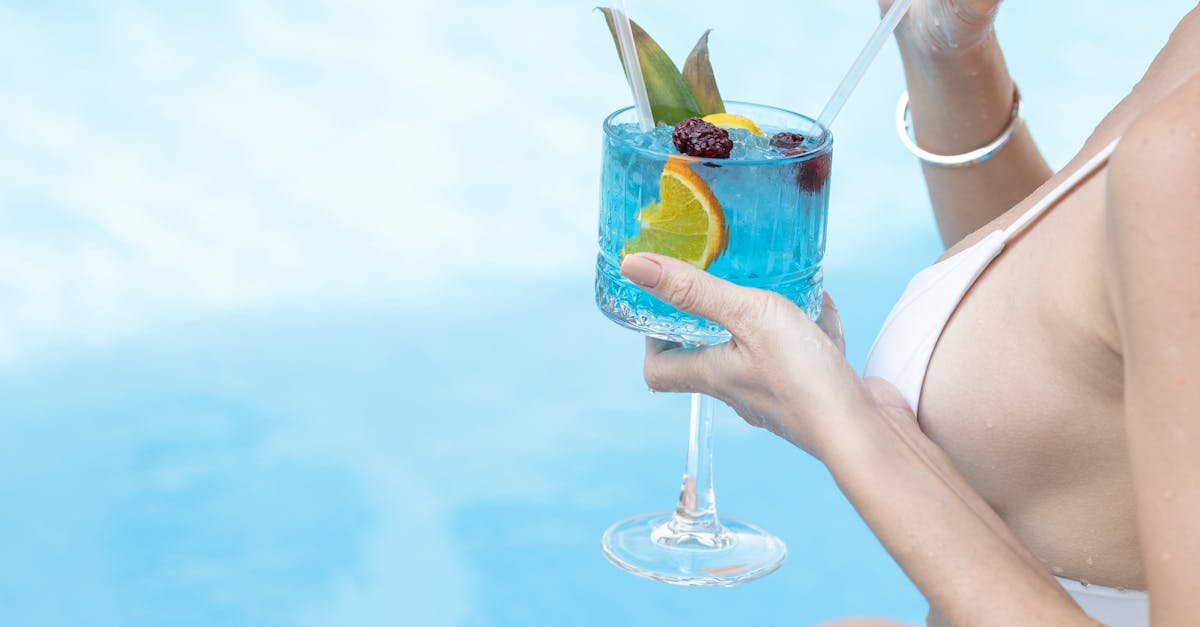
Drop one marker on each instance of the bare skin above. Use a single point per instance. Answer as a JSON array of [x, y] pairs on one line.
[[1059, 389], [1051, 459]]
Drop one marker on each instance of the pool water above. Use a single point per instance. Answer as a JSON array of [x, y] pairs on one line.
[[330, 470]]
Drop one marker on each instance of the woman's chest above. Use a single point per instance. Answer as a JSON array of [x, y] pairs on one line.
[[1025, 408], [1031, 414], [1021, 380], [1023, 392]]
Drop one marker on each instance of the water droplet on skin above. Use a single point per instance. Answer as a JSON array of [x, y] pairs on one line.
[[1166, 557], [1085, 583], [988, 424], [1090, 562], [1057, 570], [1168, 494], [652, 392]]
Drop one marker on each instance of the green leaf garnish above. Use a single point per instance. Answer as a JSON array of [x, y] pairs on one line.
[[671, 98], [698, 73]]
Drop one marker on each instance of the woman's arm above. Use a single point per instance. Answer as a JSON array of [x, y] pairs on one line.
[[960, 95], [1154, 270], [781, 372], [969, 565]]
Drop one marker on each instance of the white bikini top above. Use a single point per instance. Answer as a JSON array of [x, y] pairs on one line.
[[905, 344]]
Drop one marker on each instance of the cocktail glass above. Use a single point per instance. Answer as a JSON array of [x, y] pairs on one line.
[[775, 211]]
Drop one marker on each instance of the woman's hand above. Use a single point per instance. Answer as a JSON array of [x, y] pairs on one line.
[[944, 25], [780, 371]]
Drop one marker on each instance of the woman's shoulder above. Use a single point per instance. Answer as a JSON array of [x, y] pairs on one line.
[[1156, 167], [1153, 208]]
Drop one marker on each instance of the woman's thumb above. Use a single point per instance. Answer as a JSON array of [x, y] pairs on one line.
[[693, 290]]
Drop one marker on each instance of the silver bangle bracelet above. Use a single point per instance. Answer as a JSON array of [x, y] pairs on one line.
[[979, 155]]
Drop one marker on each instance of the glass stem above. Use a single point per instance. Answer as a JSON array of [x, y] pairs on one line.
[[697, 509], [695, 520]]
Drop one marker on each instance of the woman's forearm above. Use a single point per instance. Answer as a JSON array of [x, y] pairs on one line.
[[962, 556], [959, 553], [961, 100]]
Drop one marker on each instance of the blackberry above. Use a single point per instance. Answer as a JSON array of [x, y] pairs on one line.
[[695, 137], [787, 140], [811, 174]]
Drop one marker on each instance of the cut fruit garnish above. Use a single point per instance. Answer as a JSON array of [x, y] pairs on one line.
[[686, 223], [733, 120]]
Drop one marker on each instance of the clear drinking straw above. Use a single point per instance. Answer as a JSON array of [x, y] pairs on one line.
[[633, 68], [888, 24]]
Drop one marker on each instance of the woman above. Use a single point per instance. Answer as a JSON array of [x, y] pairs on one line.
[[1032, 453]]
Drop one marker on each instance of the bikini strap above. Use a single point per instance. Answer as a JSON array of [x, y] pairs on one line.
[[1056, 194]]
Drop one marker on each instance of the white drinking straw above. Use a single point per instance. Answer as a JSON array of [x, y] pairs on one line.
[[888, 24], [633, 69]]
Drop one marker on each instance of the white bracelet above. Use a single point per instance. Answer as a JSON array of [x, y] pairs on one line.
[[979, 155]]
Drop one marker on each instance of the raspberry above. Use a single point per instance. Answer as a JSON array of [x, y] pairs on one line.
[[698, 138], [787, 140], [811, 174]]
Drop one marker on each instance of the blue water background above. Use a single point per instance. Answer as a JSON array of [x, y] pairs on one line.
[[296, 321]]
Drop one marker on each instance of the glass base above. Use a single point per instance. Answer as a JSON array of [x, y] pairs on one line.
[[737, 552]]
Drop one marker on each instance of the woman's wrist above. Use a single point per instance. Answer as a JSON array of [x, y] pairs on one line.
[[960, 98], [845, 429]]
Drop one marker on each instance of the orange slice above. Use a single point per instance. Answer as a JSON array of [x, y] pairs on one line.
[[686, 223], [733, 120]]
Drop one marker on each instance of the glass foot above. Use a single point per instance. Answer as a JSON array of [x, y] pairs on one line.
[[737, 552]]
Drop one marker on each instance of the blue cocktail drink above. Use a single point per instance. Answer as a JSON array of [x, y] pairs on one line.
[[773, 200], [755, 217]]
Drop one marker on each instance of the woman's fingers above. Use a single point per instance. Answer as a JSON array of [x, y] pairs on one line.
[[944, 24], [695, 291], [974, 10], [971, 9], [831, 323], [671, 368]]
